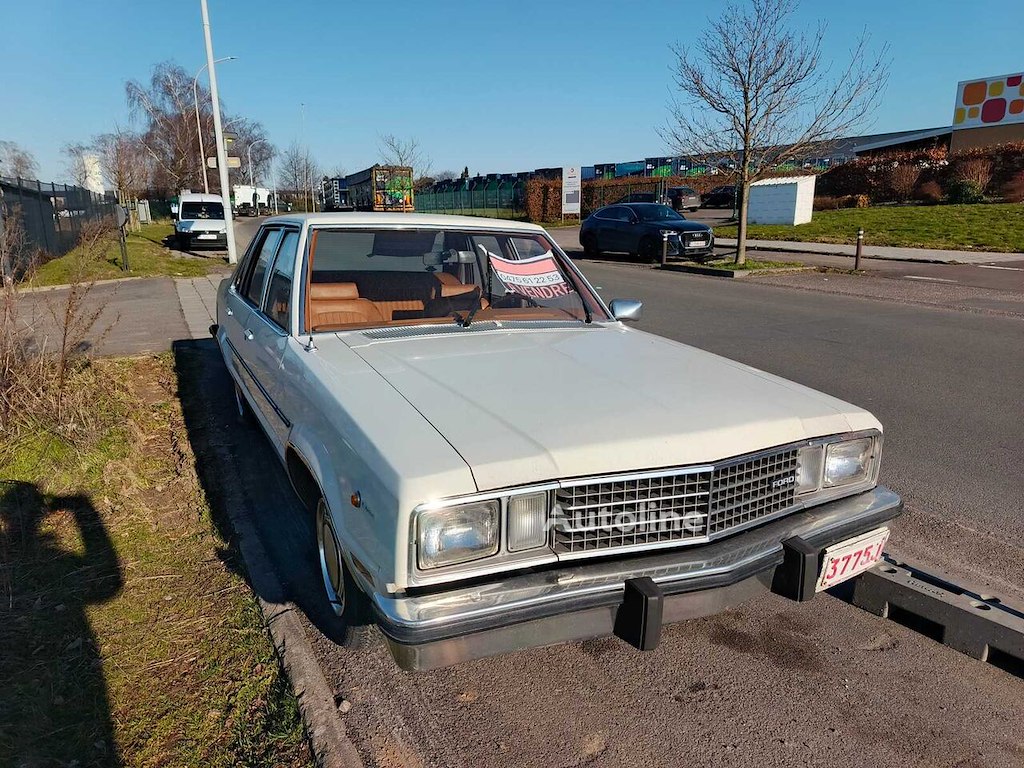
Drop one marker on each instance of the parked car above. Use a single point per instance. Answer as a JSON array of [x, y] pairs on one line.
[[199, 222], [638, 228], [246, 209], [678, 197], [493, 460], [683, 197], [720, 197]]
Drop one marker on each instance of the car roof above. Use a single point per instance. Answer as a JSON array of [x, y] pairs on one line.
[[199, 197], [377, 219], [645, 205]]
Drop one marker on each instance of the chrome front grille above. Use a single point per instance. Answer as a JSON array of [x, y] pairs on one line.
[[664, 508]]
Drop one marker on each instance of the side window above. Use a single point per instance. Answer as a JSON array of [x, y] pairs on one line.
[[252, 285], [279, 294]]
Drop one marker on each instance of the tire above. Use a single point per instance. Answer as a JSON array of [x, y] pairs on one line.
[[346, 601], [590, 249], [184, 243], [243, 411], [694, 210], [650, 250]]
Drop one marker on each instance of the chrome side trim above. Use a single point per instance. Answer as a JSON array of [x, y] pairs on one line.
[[256, 381]]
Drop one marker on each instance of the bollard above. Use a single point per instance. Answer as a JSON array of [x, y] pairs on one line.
[[664, 248], [860, 247]]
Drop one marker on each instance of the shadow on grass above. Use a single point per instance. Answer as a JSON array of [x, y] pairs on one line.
[[243, 478], [54, 708]]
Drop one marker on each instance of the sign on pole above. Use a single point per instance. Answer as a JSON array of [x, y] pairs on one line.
[[572, 187], [233, 162]]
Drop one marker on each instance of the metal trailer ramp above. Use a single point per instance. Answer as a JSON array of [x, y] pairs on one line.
[[973, 622]]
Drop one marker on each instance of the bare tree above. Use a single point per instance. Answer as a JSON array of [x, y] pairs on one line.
[[75, 164], [125, 162], [338, 172], [754, 93], [903, 178], [298, 171], [167, 109], [398, 151], [16, 161], [446, 176]]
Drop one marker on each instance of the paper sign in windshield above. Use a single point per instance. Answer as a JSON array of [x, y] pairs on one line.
[[538, 277]]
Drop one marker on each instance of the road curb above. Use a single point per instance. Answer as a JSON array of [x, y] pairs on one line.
[[731, 273], [832, 249], [967, 619], [325, 729]]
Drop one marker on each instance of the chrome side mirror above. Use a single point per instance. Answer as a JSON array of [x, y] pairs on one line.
[[626, 309]]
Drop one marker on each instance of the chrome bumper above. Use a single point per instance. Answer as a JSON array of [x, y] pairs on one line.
[[575, 601]]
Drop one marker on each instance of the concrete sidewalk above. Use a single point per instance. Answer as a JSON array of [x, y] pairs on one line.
[[891, 253], [198, 299]]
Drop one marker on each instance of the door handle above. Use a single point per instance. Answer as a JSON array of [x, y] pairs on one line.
[[248, 335], [228, 312]]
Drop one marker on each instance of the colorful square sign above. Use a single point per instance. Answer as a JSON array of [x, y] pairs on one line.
[[989, 101]]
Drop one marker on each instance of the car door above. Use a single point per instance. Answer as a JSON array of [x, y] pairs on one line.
[[610, 222], [623, 232], [269, 333], [241, 300]]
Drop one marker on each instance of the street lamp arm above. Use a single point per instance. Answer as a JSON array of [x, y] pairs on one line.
[[199, 124]]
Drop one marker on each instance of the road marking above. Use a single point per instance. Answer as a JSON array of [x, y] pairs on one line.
[[993, 266], [931, 279]]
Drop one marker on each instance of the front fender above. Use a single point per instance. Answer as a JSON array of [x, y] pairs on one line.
[[341, 474]]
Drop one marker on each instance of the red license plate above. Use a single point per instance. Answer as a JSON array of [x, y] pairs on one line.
[[852, 557]]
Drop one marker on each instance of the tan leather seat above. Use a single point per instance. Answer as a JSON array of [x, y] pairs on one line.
[[339, 304], [451, 286]]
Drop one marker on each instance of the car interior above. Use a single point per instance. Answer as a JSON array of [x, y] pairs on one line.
[[404, 277]]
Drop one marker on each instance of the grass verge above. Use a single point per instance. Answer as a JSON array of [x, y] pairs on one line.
[[129, 634], [987, 227], [147, 257], [750, 264]]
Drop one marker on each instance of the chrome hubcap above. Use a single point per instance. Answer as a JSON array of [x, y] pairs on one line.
[[331, 566]]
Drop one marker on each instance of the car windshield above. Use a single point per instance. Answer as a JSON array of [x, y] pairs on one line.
[[656, 213], [388, 277], [202, 211]]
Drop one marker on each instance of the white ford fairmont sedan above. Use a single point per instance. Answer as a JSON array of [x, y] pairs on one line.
[[495, 461]]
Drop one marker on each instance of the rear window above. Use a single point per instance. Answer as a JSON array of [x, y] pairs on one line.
[[202, 211]]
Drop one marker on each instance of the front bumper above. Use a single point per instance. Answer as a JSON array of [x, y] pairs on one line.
[[569, 602], [219, 241], [678, 248]]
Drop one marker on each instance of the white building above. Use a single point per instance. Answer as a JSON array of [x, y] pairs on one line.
[[785, 200]]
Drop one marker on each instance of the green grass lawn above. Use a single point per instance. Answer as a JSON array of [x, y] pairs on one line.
[[147, 257], [986, 227], [129, 634]]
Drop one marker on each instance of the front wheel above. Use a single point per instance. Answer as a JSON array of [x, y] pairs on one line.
[[590, 249], [346, 600], [650, 249]]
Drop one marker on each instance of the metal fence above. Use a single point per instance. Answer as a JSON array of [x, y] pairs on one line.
[[502, 199], [50, 215]]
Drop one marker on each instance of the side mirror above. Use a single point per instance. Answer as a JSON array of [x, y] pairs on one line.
[[626, 309]]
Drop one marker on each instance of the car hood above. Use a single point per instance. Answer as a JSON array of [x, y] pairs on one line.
[[679, 226], [524, 406], [202, 225]]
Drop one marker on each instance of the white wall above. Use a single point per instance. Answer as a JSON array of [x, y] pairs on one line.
[[782, 201]]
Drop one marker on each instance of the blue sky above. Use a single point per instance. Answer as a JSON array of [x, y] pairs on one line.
[[497, 86]]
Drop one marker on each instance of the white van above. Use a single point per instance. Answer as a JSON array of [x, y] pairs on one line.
[[200, 222]]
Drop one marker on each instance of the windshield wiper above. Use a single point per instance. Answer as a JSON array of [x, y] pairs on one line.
[[464, 322]]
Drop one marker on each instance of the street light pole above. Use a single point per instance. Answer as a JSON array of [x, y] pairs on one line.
[[199, 125], [218, 131], [248, 152]]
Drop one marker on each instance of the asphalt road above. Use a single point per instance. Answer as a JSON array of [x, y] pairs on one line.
[[771, 682]]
